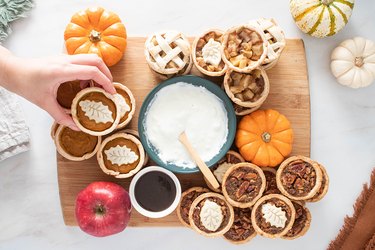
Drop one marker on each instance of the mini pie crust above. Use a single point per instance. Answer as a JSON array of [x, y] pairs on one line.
[[287, 227], [318, 178], [61, 148], [236, 37], [54, 128], [195, 192], [241, 111], [136, 134], [241, 224], [324, 187], [75, 107], [101, 155], [217, 37], [242, 88], [302, 213], [244, 183], [168, 53], [271, 184], [130, 100], [223, 229]]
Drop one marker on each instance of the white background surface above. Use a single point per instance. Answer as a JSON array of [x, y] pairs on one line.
[[343, 127]]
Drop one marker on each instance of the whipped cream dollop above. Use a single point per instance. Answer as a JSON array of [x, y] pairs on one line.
[[211, 52]]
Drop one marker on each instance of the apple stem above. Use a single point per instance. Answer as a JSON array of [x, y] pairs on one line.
[[99, 210]]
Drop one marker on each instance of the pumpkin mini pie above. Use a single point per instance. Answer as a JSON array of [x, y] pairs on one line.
[[66, 93], [271, 185], [211, 215], [219, 169], [206, 53], [96, 112], [75, 145], [168, 54], [273, 216], [127, 104], [323, 188], [121, 155], [243, 184], [187, 199], [244, 48], [242, 230], [275, 37], [299, 178], [247, 90], [301, 223]]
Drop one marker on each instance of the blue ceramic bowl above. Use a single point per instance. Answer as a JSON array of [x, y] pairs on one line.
[[197, 81]]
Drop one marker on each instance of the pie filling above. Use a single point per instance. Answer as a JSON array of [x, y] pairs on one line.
[[66, 93], [273, 215], [246, 87], [96, 112], [208, 53], [271, 184], [185, 204], [299, 222], [77, 143], [298, 178], [242, 227], [125, 95], [208, 216], [121, 155]]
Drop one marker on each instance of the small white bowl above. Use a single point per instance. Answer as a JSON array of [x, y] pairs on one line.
[[145, 212]]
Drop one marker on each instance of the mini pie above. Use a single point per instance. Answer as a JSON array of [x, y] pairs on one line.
[[244, 48], [75, 145], [66, 93], [271, 185], [211, 215], [299, 178], [206, 53], [121, 155], [242, 230], [168, 53], [219, 169], [128, 107], [136, 134], [243, 184], [248, 90], [275, 37], [301, 223], [95, 111], [324, 187], [273, 216], [187, 199]]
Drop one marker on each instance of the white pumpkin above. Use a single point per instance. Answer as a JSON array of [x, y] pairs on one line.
[[353, 62], [321, 18]]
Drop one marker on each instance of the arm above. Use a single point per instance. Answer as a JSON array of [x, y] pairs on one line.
[[37, 80]]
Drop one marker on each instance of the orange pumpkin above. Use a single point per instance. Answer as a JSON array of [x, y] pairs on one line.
[[96, 31], [264, 138]]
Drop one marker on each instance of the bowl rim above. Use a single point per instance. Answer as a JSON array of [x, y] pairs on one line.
[[196, 81]]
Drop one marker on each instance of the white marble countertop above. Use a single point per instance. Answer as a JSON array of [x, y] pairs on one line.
[[342, 122]]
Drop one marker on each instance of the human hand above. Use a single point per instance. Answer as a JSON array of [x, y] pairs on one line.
[[38, 80]]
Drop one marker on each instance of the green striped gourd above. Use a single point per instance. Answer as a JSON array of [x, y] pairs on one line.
[[321, 18]]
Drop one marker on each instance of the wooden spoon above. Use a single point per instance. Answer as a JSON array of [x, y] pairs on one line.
[[198, 160]]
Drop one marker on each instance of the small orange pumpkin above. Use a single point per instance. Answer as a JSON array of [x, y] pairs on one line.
[[96, 31], [264, 138]]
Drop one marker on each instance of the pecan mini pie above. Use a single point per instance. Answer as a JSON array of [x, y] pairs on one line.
[[121, 155], [273, 215], [244, 48], [95, 111], [168, 54], [219, 169], [242, 230], [187, 199], [271, 185], [323, 188], [206, 53], [301, 223], [128, 104], [243, 184], [75, 145], [211, 215], [275, 37], [299, 178], [248, 90]]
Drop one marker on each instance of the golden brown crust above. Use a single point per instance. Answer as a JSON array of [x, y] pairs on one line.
[[132, 105], [324, 188], [54, 128], [306, 225]]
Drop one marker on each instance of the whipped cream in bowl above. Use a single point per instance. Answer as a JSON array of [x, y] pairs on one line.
[[191, 104]]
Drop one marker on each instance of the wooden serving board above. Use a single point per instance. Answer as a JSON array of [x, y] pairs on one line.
[[289, 94]]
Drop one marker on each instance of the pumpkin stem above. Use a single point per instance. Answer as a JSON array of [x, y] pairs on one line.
[[359, 61], [95, 36], [266, 137], [327, 2]]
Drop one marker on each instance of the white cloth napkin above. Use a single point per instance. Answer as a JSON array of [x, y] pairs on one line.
[[14, 133]]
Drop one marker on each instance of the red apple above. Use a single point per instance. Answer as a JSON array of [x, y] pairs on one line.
[[102, 209]]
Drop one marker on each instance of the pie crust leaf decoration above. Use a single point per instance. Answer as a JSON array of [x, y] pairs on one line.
[[121, 155], [96, 111], [221, 170], [211, 52], [211, 215], [124, 107], [274, 215]]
